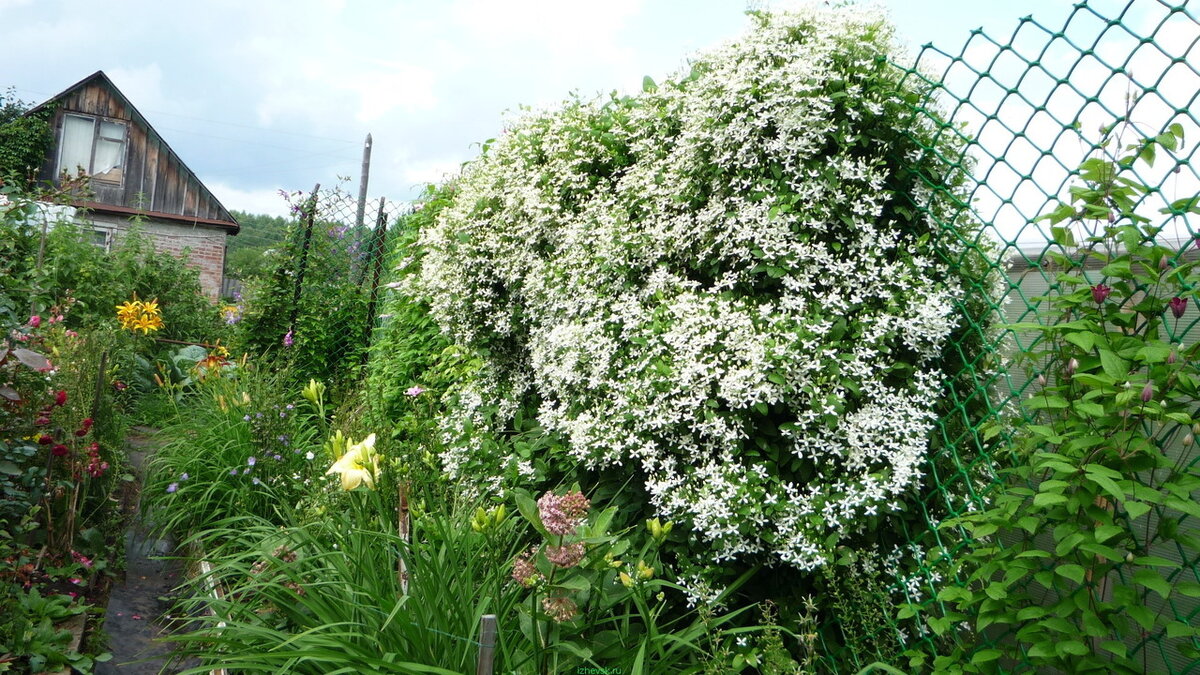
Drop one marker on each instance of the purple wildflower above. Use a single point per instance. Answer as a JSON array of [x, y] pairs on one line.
[[415, 390], [288, 339], [172, 488], [252, 461]]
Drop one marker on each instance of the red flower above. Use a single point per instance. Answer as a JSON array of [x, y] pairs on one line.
[[1100, 293], [60, 397], [60, 450], [42, 421], [35, 321], [45, 439], [80, 433], [87, 423], [119, 385], [1178, 306]]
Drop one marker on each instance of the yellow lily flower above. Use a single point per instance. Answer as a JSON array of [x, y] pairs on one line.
[[358, 466]]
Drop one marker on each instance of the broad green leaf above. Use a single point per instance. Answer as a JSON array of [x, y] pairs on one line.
[[1152, 580], [1084, 341], [1106, 532], [1136, 509], [1110, 486], [1048, 499], [1178, 629], [1073, 572], [1114, 366]]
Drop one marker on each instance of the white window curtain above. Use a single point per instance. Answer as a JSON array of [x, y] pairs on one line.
[[110, 151], [78, 133]]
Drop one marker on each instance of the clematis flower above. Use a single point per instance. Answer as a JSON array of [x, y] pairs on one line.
[[288, 340], [358, 466], [1100, 293], [1178, 306], [415, 390]]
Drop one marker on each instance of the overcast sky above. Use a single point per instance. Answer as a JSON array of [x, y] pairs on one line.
[[258, 96]]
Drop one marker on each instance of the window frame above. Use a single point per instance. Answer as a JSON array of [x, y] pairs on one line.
[[97, 122]]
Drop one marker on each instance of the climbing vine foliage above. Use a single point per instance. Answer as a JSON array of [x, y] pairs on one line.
[[729, 287]]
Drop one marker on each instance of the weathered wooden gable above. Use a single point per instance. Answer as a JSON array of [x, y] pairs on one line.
[[152, 178]]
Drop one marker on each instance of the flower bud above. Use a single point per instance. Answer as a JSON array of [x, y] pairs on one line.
[[1147, 392], [1188, 440], [644, 571], [626, 580], [1163, 263], [1171, 358], [1041, 380], [1100, 293], [1072, 366]]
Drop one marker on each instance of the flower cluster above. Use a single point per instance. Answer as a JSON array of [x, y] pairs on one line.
[[562, 514], [731, 287], [137, 315]]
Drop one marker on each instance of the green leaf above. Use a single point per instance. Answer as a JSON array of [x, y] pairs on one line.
[[985, 656], [1178, 629], [1044, 499], [648, 84], [1089, 409], [1084, 341], [529, 509], [1189, 589], [1114, 647], [8, 468], [1110, 486], [1073, 572], [1136, 509], [1114, 366], [996, 591], [1152, 580]]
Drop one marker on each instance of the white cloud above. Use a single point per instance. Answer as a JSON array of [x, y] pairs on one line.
[[252, 201]]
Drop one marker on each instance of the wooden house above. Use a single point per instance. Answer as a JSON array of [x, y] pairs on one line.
[[134, 173]]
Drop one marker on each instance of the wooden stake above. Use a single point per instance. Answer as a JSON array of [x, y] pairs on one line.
[[405, 530], [487, 644]]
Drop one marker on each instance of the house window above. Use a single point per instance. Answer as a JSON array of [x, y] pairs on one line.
[[101, 238], [96, 146]]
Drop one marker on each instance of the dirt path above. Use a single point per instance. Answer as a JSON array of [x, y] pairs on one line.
[[138, 605]]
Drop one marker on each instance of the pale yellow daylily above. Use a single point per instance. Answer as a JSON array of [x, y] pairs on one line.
[[358, 466]]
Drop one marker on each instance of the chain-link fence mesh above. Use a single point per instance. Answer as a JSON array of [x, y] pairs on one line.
[[317, 312], [1029, 107]]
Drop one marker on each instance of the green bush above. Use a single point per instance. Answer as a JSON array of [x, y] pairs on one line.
[[729, 299]]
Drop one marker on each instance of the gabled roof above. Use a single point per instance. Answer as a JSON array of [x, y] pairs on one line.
[[222, 216]]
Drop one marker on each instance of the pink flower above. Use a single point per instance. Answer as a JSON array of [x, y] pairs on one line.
[[1100, 293], [60, 450], [1178, 306], [561, 515], [288, 340], [35, 321], [1147, 392], [560, 609], [524, 571], [565, 556], [415, 390], [60, 398]]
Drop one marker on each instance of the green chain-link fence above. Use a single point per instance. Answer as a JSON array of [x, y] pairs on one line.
[[317, 312], [1030, 106]]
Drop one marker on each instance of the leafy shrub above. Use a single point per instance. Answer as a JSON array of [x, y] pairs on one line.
[[1086, 555], [730, 291], [322, 333], [91, 280]]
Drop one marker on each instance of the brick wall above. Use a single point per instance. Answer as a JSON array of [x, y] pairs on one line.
[[206, 245]]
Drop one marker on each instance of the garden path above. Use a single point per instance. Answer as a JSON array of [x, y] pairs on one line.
[[139, 606]]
